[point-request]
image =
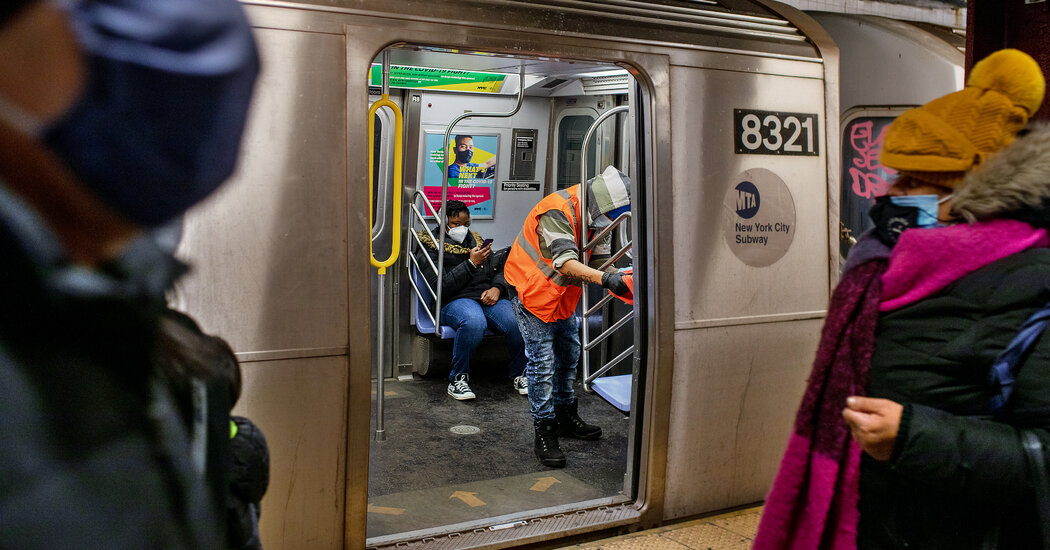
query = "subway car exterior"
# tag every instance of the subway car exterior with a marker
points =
(730, 134)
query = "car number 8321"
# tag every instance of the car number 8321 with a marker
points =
(774, 133)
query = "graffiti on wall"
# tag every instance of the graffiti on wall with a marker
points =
(868, 177)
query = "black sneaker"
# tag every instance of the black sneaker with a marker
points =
(546, 446)
(459, 389)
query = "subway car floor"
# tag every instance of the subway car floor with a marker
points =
(446, 462)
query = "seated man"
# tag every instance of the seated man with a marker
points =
(474, 295)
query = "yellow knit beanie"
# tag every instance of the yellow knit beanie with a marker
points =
(938, 142)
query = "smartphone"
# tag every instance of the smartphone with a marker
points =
(486, 242)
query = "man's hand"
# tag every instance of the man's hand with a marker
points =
(614, 282)
(874, 424)
(490, 296)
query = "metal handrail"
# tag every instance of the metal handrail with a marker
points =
(385, 168)
(582, 244)
(585, 247)
(423, 220)
(601, 337)
(587, 379)
(444, 177)
(395, 243)
(419, 293)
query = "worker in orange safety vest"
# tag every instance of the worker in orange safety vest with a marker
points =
(546, 268)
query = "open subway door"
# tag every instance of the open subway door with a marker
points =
(445, 464)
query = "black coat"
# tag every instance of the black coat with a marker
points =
(92, 451)
(461, 279)
(957, 473)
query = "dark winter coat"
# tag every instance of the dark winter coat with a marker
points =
(958, 478)
(92, 451)
(461, 278)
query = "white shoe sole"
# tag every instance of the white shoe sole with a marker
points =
(461, 397)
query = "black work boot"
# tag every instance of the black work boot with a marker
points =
(547, 449)
(570, 423)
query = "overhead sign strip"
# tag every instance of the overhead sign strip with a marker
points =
(429, 78)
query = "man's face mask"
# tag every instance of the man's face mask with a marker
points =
(463, 156)
(159, 124)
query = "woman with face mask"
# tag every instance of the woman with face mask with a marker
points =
(474, 296)
(898, 442)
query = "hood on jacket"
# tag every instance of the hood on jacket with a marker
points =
(1016, 180)
(608, 191)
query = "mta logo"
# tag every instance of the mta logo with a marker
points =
(747, 200)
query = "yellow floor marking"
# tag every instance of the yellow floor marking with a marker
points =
(544, 483)
(373, 509)
(468, 498)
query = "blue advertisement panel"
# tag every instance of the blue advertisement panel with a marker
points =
(470, 162)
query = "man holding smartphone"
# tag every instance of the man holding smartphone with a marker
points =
(475, 296)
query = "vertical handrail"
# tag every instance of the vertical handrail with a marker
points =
(419, 216)
(586, 344)
(395, 243)
(582, 239)
(379, 225)
(444, 183)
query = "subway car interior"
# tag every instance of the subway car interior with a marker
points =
(531, 115)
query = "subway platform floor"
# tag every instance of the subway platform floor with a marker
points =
(730, 531)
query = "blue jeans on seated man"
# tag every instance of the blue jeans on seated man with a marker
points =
(552, 351)
(470, 318)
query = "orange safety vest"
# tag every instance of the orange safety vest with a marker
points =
(547, 294)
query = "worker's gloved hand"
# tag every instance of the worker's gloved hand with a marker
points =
(615, 283)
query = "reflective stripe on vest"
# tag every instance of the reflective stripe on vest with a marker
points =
(542, 289)
(575, 221)
(544, 267)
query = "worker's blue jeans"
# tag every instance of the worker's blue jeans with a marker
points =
(552, 351)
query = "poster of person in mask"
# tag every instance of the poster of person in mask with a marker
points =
(470, 162)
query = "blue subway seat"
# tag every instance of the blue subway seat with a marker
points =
(422, 321)
(614, 389)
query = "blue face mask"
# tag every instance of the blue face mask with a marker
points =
(159, 124)
(927, 206)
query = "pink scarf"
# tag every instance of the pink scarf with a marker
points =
(813, 503)
(925, 261)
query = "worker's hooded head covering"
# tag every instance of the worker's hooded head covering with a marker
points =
(609, 194)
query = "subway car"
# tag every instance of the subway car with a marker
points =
(727, 117)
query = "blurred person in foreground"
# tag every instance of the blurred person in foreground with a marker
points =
(957, 263)
(115, 117)
(230, 452)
